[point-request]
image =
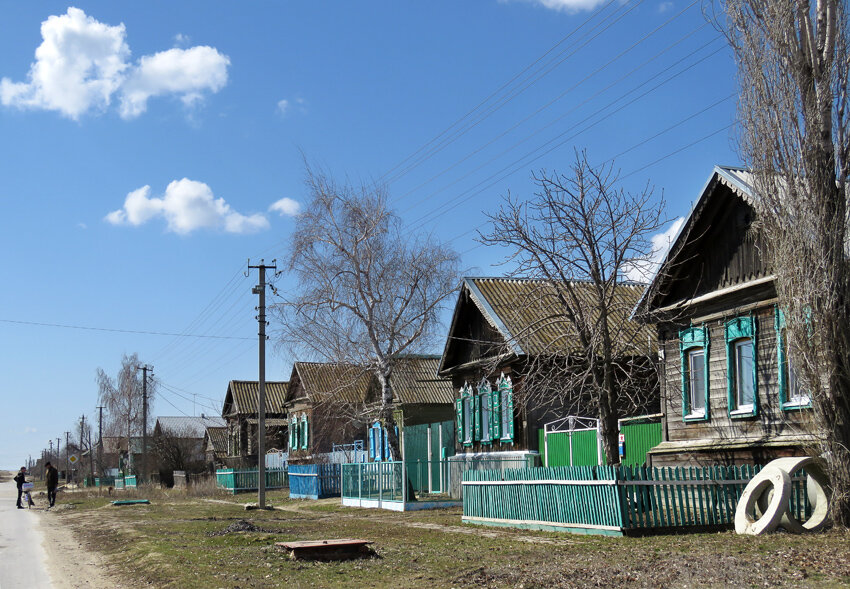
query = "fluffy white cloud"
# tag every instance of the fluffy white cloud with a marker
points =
(185, 72)
(186, 206)
(286, 206)
(567, 5)
(644, 270)
(282, 106)
(82, 63)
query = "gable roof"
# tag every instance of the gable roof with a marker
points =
(520, 310)
(343, 382)
(188, 427)
(218, 438)
(740, 182)
(415, 381)
(242, 397)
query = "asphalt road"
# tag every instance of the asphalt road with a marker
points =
(23, 561)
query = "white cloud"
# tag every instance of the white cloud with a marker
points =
(664, 7)
(82, 225)
(567, 5)
(185, 72)
(82, 63)
(282, 106)
(30, 430)
(644, 270)
(286, 206)
(186, 206)
(181, 39)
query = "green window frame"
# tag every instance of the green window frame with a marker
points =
(742, 347)
(506, 414)
(485, 408)
(293, 433)
(693, 342)
(304, 431)
(788, 401)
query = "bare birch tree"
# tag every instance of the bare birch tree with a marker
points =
(578, 236)
(122, 398)
(368, 291)
(793, 60)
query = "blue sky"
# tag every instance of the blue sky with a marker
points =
(149, 149)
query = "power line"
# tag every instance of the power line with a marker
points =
(134, 331)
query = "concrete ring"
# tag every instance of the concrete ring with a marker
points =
(780, 481)
(817, 484)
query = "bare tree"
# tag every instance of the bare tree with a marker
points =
(578, 237)
(122, 398)
(368, 291)
(793, 60)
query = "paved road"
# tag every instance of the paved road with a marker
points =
(22, 557)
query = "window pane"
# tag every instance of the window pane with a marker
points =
(744, 372)
(506, 415)
(696, 380)
(485, 418)
(467, 419)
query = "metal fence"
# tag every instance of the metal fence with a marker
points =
(314, 481)
(236, 481)
(375, 481)
(612, 500)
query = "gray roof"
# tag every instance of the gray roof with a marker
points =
(189, 427)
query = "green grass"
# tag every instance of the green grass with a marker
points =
(167, 544)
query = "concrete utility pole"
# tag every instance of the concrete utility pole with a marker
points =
(260, 290)
(144, 370)
(82, 441)
(100, 440)
(67, 463)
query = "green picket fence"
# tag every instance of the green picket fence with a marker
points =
(379, 481)
(235, 481)
(119, 482)
(613, 500)
(130, 481)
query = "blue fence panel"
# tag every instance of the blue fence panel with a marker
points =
(314, 481)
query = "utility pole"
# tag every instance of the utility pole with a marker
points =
(145, 368)
(50, 453)
(58, 454)
(100, 440)
(67, 463)
(82, 429)
(260, 290)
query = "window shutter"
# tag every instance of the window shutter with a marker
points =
(510, 413)
(476, 413)
(372, 443)
(459, 405)
(495, 414)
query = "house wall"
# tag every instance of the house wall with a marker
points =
(773, 431)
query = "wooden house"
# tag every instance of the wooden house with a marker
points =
(240, 414)
(215, 446)
(179, 444)
(337, 404)
(499, 326)
(729, 393)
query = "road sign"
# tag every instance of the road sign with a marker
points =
(73, 459)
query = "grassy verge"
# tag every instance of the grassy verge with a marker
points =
(177, 542)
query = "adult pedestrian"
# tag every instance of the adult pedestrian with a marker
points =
(51, 479)
(20, 479)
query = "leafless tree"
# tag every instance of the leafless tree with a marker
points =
(122, 398)
(577, 238)
(793, 60)
(368, 290)
(179, 450)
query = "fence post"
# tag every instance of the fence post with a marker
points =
(360, 483)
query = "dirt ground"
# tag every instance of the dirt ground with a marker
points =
(197, 542)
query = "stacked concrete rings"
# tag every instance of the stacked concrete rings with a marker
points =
(770, 491)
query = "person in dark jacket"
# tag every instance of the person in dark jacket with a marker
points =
(51, 479)
(20, 479)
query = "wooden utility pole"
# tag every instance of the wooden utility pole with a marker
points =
(145, 368)
(260, 290)
(67, 463)
(82, 429)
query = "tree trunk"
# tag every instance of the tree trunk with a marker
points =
(387, 417)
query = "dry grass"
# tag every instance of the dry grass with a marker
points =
(173, 543)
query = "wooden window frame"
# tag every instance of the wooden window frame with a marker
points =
(690, 340)
(505, 390)
(485, 410)
(737, 331)
(784, 368)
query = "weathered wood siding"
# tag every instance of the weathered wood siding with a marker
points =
(770, 421)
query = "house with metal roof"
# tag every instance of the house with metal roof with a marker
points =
(501, 329)
(240, 414)
(178, 444)
(728, 387)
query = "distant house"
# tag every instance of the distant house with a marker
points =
(499, 327)
(729, 392)
(179, 443)
(240, 413)
(215, 446)
(336, 404)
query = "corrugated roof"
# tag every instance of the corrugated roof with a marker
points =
(218, 437)
(188, 427)
(244, 395)
(344, 382)
(415, 381)
(529, 314)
